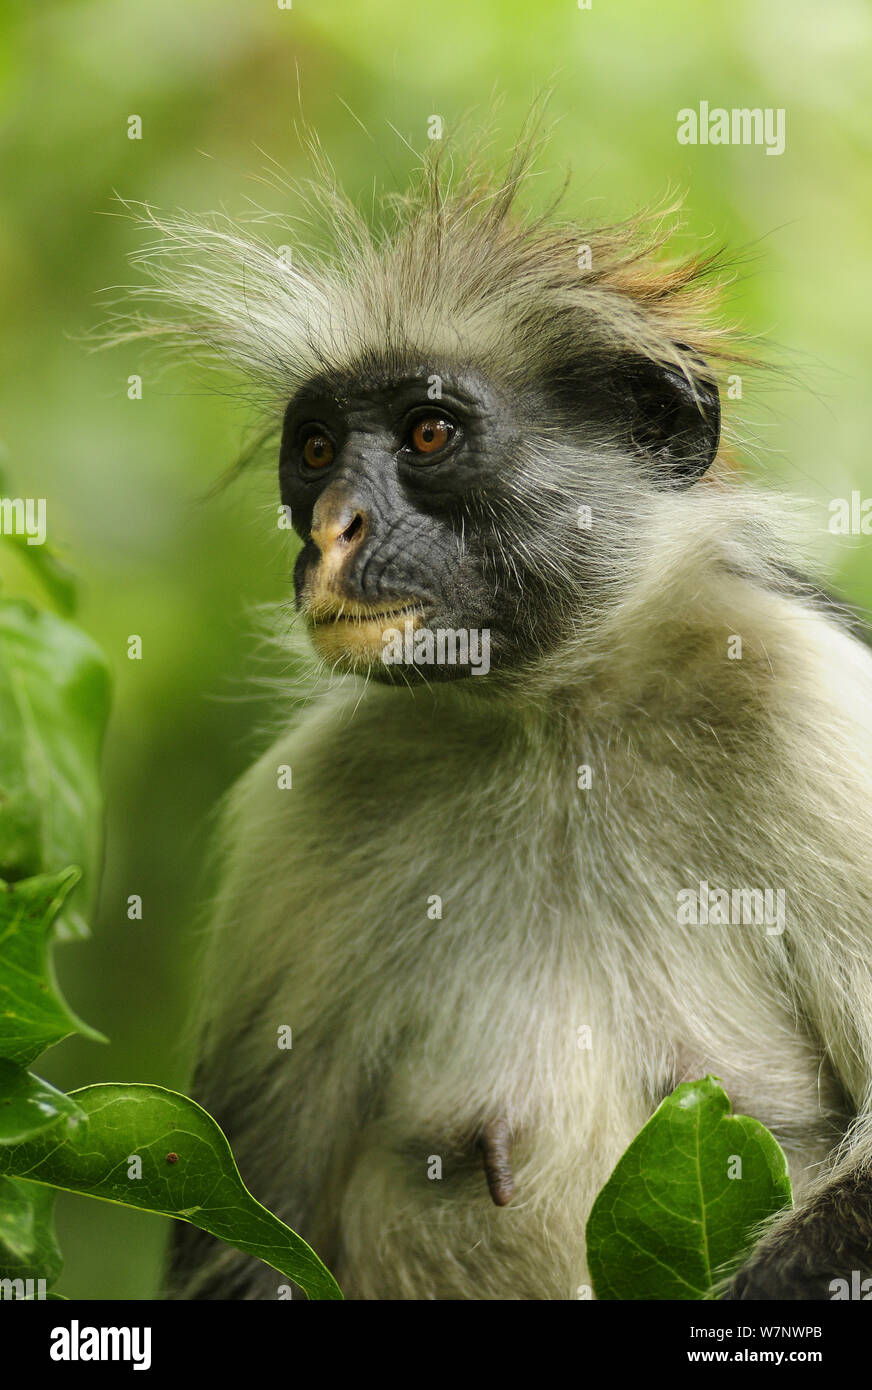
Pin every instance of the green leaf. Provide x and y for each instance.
(199, 1184)
(56, 579)
(29, 1105)
(28, 1247)
(671, 1220)
(54, 698)
(33, 1015)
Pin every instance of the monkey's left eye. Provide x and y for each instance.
(430, 434)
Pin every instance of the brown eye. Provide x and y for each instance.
(318, 451)
(430, 435)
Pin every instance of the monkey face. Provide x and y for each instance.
(439, 508)
(400, 569)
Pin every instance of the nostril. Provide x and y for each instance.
(352, 529)
(337, 525)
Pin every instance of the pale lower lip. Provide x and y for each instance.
(385, 617)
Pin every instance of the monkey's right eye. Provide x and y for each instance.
(318, 451)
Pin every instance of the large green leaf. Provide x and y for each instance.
(33, 1016)
(54, 698)
(28, 1248)
(187, 1171)
(29, 1105)
(672, 1219)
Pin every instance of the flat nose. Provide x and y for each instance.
(338, 523)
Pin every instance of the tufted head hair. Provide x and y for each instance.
(595, 360)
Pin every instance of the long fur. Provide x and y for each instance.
(410, 1034)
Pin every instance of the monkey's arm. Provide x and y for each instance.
(828, 1237)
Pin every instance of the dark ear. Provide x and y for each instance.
(675, 422)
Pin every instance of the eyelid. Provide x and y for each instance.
(432, 410)
(309, 427)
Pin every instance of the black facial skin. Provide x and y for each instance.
(426, 539)
(429, 523)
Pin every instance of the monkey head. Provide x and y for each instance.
(479, 409)
(447, 498)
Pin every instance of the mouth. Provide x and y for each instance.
(352, 613)
(352, 635)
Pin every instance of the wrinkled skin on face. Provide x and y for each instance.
(394, 535)
(458, 514)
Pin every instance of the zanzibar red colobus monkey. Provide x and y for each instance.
(505, 425)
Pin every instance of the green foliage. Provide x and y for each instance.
(29, 1106)
(33, 1016)
(187, 1170)
(681, 1207)
(56, 581)
(140, 1146)
(54, 700)
(28, 1247)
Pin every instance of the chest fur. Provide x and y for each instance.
(526, 955)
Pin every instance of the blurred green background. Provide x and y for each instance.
(215, 83)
